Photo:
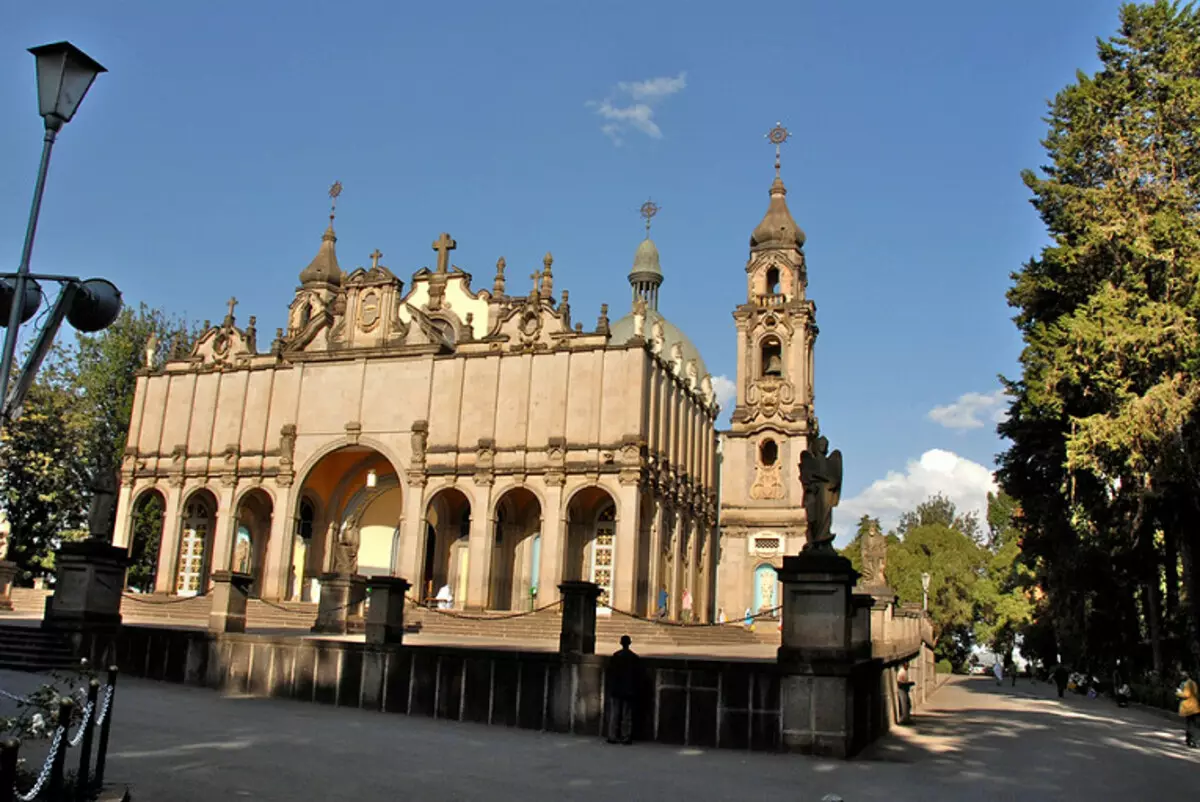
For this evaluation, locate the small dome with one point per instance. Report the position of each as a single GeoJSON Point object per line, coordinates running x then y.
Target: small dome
{"type": "Point", "coordinates": [645, 261]}
{"type": "Point", "coordinates": [622, 330]}
{"type": "Point", "coordinates": [777, 229]}
{"type": "Point", "coordinates": [323, 269]}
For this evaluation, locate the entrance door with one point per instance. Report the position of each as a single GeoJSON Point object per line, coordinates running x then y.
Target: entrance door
{"type": "Point", "coordinates": [766, 580]}
{"type": "Point", "coordinates": [602, 559]}
{"type": "Point", "coordinates": [191, 550]}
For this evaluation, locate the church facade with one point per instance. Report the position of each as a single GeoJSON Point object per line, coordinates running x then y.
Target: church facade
{"type": "Point", "coordinates": [482, 442]}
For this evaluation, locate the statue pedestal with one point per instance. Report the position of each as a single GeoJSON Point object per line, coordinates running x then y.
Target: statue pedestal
{"type": "Point", "coordinates": [341, 602]}
{"type": "Point", "coordinates": [578, 634]}
{"type": "Point", "coordinates": [385, 610]}
{"type": "Point", "coordinates": [230, 593]}
{"type": "Point", "coordinates": [8, 573]}
{"type": "Point", "coordinates": [88, 585]}
{"type": "Point", "coordinates": [825, 656]}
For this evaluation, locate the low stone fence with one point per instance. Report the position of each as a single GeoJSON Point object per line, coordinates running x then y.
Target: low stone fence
{"type": "Point", "coordinates": [685, 701]}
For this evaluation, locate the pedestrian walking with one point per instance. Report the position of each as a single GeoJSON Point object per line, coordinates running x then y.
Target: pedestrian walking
{"type": "Point", "coordinates": [687, 606]}
{"type": "Point", "coordinates": [998, 671]}
{"type": "Point", "coordinates": [1061, 676]}
{"type": "Point", "coordinates": [1189, 708]}
{"type": "Point", "coordinates": [624, 677]}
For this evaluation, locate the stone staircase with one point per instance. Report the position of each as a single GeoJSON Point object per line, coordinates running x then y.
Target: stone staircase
{"type": "Point", "coordinates": [541, 628]}
{"type": "Point", "coordinates": [28, 648]}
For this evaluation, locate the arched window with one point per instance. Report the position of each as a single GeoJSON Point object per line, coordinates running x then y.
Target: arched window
{"type": "Point", "coordinates": [464, 529]}
{"type": "Point", "coordinates": [304, 527]}
{"type": "Point", "coordinates": [772, 357]}
{"type": "Point", "coordinates": [305, 314]}
{"type": "Point", "coordinates": [773, 280]}
{"type": "Point", "coordinates": [768, 452]}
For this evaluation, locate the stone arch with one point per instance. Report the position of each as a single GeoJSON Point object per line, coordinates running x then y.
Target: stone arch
{"type": "Point", "coordinates": [446, 529]}
{"type": "Point", "coordinates": [254, 510]}
{"type": "Point", "coordinates": [331, 480]}
{"type": "Point", "coordinates": [197, 530]}
{"type": "Point", "coordinates": [591, 519]}
{"type": "Point", "coordinates": [770, 356]}
{"type": "Point", "coordinates": [516, 549]}
{"type": "Point", "coordinates": [376, 513]}
{"type": "Point", "coordinates": [147, 525]}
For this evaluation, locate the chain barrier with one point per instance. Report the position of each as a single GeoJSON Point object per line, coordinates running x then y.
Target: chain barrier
{"type": "Point", "coordinates": [83, 722]}
{"type": "Point", "coordinates": [137, 597]}
{"type": "Point", "coordinates": [18, 699]}
{"type": "Point", "coordinates": [45, 772]}
{"type": "Point", "coordinates": [469, 617]}
{"type": "Point", "coordinates": [280, 607]}
{"type": "Point", "coordinates": [108, 694]}
{"type": "Point", "coordinates": [739, 622]}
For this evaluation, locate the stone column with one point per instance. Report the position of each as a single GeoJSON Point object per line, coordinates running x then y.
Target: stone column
{"type": "Point", "coordinates": [578, 635]}
{"type": "Point", "coordinates": [480, 545]}
{"type": "Point", "coordinates": [229, 596]}
{"type": "Point", "coordinates": [554, 544]}
{"type": "Point", "coordinates": [168, 545]}
{"type": "Point", "coordinates": [89, 580]}
{"type": "Point", "coordinates": [822, 667]}
{"type": "Point", "coordinates": [385, 609]}
{"type": "Point", "coordinates": [625, 546]}
{"type": "Point", "coordinates": [412, 531]}
{"type": "Point", "coordinates": [122, 536]}
{"type": "Point", "coordinates": [279, 547]}
{"type": "Point", "coordinates": [653, 570]}
{"type": "Point", "coordinates": [8, 572]}
{"type": "Point", "coordinates": [222, 541]}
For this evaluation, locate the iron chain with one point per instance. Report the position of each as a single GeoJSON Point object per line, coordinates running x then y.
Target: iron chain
{"type": "Point", "coordinates": [87, 713]}
{"type": "Point", "coordinates": [45, 773]}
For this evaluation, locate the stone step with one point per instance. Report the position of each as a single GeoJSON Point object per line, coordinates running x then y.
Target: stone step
{"type": "Point", "coordinates": [31, 649]}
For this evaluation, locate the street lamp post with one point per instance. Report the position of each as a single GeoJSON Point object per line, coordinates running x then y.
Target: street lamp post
{"type": "Point", "coordinates": [64, 75]}
{"type": "Point", "coordinates": [925, 577]}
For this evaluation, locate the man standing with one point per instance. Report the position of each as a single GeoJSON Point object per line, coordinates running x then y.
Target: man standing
{"type": "Point", "coordinates": [1061, 675]}
{"type": "Point", "coordinates": [624, 676]}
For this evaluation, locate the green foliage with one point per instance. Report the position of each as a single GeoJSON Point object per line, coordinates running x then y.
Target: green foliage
{"type": "Point", "coordinates": [73, 424]}
{"type": "Point", "coordinates": [944, 667]}
{"type": "Point", "coordinates": [1105, 421]}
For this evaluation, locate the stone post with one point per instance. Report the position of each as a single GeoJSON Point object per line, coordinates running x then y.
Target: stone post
{"type": "Point", "coordinates": [826, 670]}
{"type": "Point", "coordinates": [385, 609]}
{"type": "Point", "coordinates": [8, 572]}
{"type": "Point", "coordinates": [578, 635]}
{"type": "Point", "coordinates": [87, 587]}
{"type": "Point", "coordinates": [340, 604]}
{"type": "Point", "coordinates": [231, 591]}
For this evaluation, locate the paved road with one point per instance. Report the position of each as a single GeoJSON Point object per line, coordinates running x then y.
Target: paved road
{"type": "Point", "coordinates": [976, 742]}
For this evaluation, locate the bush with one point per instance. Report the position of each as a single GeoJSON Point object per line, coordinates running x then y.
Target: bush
{"type": "Point", "coordinates": [944, 666]}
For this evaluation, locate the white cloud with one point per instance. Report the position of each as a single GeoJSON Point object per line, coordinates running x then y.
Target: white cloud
{"type": "Point", "coordinates": [631, 107]}
{"type": "Point", "coordinates": [972, 411]}
{"type": "Point", "coordinates": [964, 482]}
{"type": "Point", "coordinates": [725, 390]}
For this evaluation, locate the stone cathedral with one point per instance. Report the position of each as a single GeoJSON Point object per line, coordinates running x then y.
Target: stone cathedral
{"type": "Point", "coordinates": [484, 442]}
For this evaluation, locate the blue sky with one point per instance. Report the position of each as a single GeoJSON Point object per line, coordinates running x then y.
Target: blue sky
{"type": "Point", "coordinates": [197, 169]}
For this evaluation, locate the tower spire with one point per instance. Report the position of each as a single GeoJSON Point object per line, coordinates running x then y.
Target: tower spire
{"type": "Point", "coordinates": [777, 136]}
{"type": "Point", "coordinates": [324, 268]}
{"type": "Point", "coordinates": [647, 211]}
{"type": "Point", "coordinates": [646, 276]}
{"type": "Point", "coordinates": [334, 191]}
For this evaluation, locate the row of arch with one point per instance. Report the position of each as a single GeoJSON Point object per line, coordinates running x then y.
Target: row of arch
{"type": "Point", "coordinates": [353, 495]}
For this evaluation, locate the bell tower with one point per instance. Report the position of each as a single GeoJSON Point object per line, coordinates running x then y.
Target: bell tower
{"type": "Point", "coordinates": [762, 510]}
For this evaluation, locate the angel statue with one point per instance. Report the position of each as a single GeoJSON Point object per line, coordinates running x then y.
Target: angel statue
{"type": "Point", "coordinates": [821, 476]}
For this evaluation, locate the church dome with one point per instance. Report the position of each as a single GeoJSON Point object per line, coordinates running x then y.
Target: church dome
{"type": "Point", "coordinates": [645, 261]}
{"type": "Point", "coordinates": [777, 229]}
{"type": "Point", "coordinates": [622, 330]}
{"type": "Point", "coordinates": [324, 269]}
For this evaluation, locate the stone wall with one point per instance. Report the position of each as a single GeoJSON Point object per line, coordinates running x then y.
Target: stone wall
{"type": "Point", "coordinates": [693, 702]}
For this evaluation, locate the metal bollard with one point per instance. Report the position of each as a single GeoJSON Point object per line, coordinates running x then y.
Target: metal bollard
{"type": "Point", "coordinates": [54, 786]}
{"type": "Point", "coordinates": [9, 748]}
{"type": "Point", "coordinates": [102, 752]}
{"type": "Point", "coordinates": [83, 778]}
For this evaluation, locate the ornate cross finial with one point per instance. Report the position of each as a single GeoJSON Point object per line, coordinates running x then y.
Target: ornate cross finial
{"type": "Point", "coordinates": [648, 210]}
{"type": "Point", "coordinates": [232, 303]}
{"type": "Point", "coordinates": [443, 245]}
{"type": "Point", "coordinates": [777, 136]}
{"type": "Point", "coordinates": [334, 191]}
{"type": "Point", "coordinates": [375, 257]}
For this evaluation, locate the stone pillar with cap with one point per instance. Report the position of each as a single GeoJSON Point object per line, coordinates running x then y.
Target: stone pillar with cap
{"type": "Point", "coordinates": [340, 607]}
{"type": "Point", "coordinates": [230, 593]}
{"type": "Point", "coordinates": [578, 635]}
{"type": "Point", "coordinates": [385, 609]}
{"type": "Point", "coordinates": [824, 659]}
{"type": "Point", "coordinates": [89, 579]}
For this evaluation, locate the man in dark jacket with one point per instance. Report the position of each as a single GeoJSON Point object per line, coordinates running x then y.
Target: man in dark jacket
{"type": "Point", "coordinates": [624, 676]}
{"type": "Point", "coordinates": [1061, 675]}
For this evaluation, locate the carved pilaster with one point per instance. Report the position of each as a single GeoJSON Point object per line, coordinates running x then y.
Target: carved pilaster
{"type": "Point", "coordinates": [175, 472]}
{"type": "Point", "coordinates": [485, 460]}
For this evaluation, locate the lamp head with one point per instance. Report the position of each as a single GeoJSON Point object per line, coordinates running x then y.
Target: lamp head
{"type": "Point", "coordinates": [64, 75]}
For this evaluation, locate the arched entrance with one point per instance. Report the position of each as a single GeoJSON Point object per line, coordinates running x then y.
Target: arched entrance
{"type": "Point", "coordinates": [515, 551]}
{"type": "Point", "coordinates": [351, 492]}
{"type": "Point", "coordinates": [445, 553]}
{"type": "Point", "coordinates": [195, 543]}
{"type": "Point", "coordinates": [766, 589]}
{"type": "Point", "coordinates": [251, 532]}
{"type": "Point", "coordinates": [591, 540]}
{"type": "Point", "coordinates": [145, 541]}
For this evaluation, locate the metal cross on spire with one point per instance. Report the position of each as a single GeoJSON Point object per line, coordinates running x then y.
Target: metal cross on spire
{"type": "Point", "coordinates": [648, 210]}
{"type": "Point", "coordinates": [334, 191]}
{"type": "Point", "coordinates": [375, 257]}
{"type": "Point", "coordinates": [443, 245]}
{"type": "Point", "coordinates": [232, 303]}
{"type": "Point", "coordinates": [777, 136]}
